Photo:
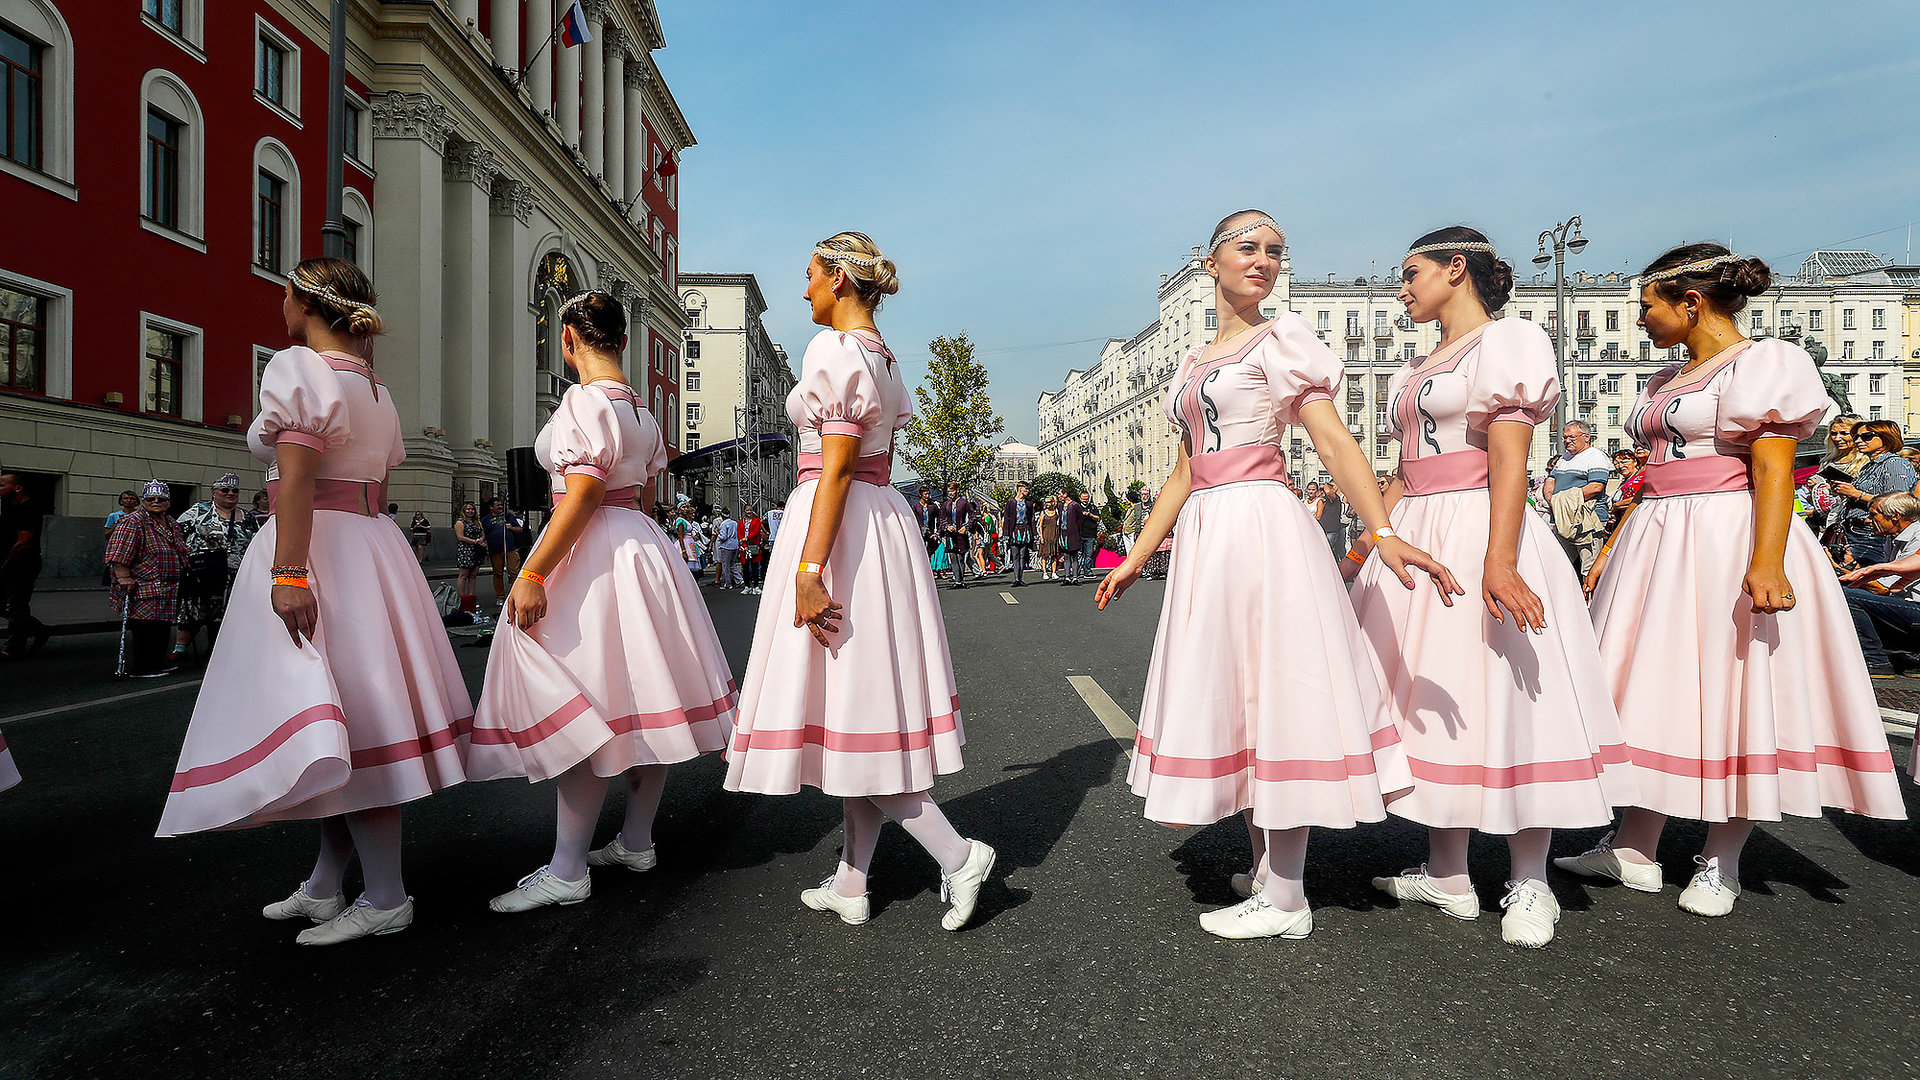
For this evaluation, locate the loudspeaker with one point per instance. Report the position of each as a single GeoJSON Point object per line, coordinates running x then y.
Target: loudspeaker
{"type": "Point", "coordinates": [527, 487]}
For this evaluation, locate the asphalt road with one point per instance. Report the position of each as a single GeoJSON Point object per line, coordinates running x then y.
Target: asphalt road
{"type": "Point", "coordinates": [123, 955]}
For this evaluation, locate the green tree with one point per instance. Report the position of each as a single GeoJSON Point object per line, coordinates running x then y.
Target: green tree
{"type": "Point", "coordinates": [949, 439]}
{"type": "Point", "coordinates": [1050, 483]}
{"type": "Point", "coordinates": [1114, 510]}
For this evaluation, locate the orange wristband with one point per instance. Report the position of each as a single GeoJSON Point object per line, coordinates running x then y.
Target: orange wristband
{"type": "Point", "coordinates": [531, 576]}
{"type": "Point", "coordinates": [1356, 556]}
{"type": "Point", "coordinates": [293, 582]}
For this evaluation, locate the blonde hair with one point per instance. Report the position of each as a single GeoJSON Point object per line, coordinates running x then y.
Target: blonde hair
{"type": "Point", "coordinates": [340, 292]}
{"type": "Point", "coordinates": [855, 254]}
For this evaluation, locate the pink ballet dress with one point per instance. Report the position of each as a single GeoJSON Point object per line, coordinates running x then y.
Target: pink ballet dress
{"type": "Point", "coordinates": [625, 668]}
{"type": "Point", "coordinates": [9, 773]}
{"type": "Point", "coordinates": [372, 711]}
{"type": "Point", "coordinates": [1729, 714]}
{"type": "Point", "coordinates": [876, 712]}
{"type": "Point", "coordinates": [1504, 730]}
{"type": "Point", "coordinates": [1260, 693]}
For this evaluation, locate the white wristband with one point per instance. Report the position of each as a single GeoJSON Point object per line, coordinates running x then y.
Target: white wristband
{"type": "Point", "coordinates": [1382, 533]}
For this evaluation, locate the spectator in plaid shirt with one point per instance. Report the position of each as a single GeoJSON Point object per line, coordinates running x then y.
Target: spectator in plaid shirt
{"type": "Point", "coordinates": [148, 556]}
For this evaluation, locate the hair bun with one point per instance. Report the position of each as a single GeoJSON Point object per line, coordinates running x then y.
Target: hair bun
{"type": "Point", "coordinates": [1751, 276]}
{"type": "Point", "coordinates": [886, 277]}
{"type": "Point", "coordinates": [363, 322]}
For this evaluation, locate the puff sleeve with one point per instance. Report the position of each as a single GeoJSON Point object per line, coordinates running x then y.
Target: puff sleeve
{"type": "Point", "coordinates": [1772, 391]}
{"type": "Point", "coordinates": [1172, 404]}
{"type": "Point", "coordinates": [1513, 376]}
{"type": "Point", "coordinates": [587, 439]}
{"type": "Point", "coordinates": [1299, 367]}
{"type": "Point", "coordinates": [837, 390]}
{"type": "Point", "coordinates": [301, 401]}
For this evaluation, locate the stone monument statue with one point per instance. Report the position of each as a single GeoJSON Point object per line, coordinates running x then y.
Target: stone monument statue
{"type": "Point", "coordinates": [1836, 384]}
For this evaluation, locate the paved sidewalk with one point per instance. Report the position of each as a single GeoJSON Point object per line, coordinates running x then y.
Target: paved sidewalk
{"type": "Point", "coordinates": [79, 605]}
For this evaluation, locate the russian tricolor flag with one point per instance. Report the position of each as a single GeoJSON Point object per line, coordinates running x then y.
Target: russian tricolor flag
{"type": "Point", "coordinates": [573, 27]}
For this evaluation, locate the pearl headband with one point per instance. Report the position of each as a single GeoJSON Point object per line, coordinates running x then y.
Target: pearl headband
{"type": "Point", "coordinates": [827, 254]}
{"type": "Point", "coordinates": [1263, 221]}
{"type": "Point", "coordinates": [1689, 268]}
{"type": "Point", "coordinates": [1429, 248]}
{"type": "Point", "coordinates": [323, 292]}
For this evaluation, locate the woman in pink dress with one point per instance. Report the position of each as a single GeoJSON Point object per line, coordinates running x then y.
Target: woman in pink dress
{"type": "Point", "coordinates": [1739, 681]}
{"type": "Point", "coordinates": [1260, 697]}
{"type": "Point", "coordinates": [850, 687]}
{"type": "Point", "coordinates": [333, 693]}
{"type": "Point", "coordinates": [606, 660]}
{"type": "Point", "coordinates": [1502, 706]}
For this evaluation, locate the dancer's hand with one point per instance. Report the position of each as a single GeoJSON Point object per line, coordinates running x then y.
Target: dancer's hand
{"type": "Point", "coordinates": [1118, 581]}
{"type": "Point", "coordinates": [526, 603]}
{"type": "Point", "coordinates": [297, 608]}
{"type": "Point", "coordinates": [1503, 587]}
{"type": "Point", "coordinates": [1399, 555]}
{"type": "Point", "coordinates": [1769, 589]}
{"type": "Point", "coordinates": [813, 608]}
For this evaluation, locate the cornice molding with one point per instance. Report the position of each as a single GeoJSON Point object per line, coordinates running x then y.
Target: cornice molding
{"type": "Point", "coordinates": [513, 198]}
{"type": "Point", "coordinates": [400, 115]}
{"type": "Point", "coordinates": [472, 163]}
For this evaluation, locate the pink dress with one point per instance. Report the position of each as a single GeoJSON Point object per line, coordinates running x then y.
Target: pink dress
{"type": "Point", "coordinates": [876, 713]}
{"type": "Point", "coordinates": [625, 668]}
{"type": "Point", "coordinates": [1730, 714]}
{"type": "Point", "coordinates": [9, 773]}
{"type": "Point", "coordinates": [1260, 693]}
{"type": "Point", "coordinates": [1504, 730]}
{"type": "Point", "coordinates": [372, 712]}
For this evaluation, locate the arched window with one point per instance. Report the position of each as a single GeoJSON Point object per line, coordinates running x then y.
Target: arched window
{"type": "Point", "coordinates": [36, 59]}
{"type": "Point", "coordinates": [357, 215]}
{"type": "Point", "coordinates": [276, 209]}
{"type": "Point", "coordinates": [657, 415]}
{"type": "Point", "coordinates": [172, 160]}
{"type": "Point", "coordinates": [673, 419]}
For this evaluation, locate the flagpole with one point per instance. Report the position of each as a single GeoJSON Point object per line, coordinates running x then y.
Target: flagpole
{"type": "Point", "coordinates": [333, 230]}
{"type": "Point", "coordinates": [521, 78]}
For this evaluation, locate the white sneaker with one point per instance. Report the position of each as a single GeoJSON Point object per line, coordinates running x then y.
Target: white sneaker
{"type": "Point", "coordinates": [853, 910]}
{"type": "Point", "coordinates": [1531, 913]}
{"type": "Point", "coordinates": [1602, 862]}
{"type": "Point", "coordinates": [302, 906]}
{"type": "Point", "coordinates": [1709, 893]}
{"type": "Point", "coordinates": [961, 889]}
{"type": "Point", "coordinates": [1416, 885]}
{"type": "Point", "coordinates": [1245, 885]}
{"type": "Point", "coordinates": [1254, 917]}
{"type": "Point", "coordinates": [361, 919]}
{"type": "Point", "coordinates": [616, 854]}
{"type": "Point", "coordinates": [541, 888]}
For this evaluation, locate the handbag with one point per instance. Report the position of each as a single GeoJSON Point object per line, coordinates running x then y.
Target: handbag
{"type": "Point", "coordinates": [206, 575]}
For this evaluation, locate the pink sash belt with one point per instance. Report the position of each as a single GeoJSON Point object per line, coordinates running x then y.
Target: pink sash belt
{"type": "Point", "coordinates": [1237, 464]}
{"type": "Point", "coordinates": [1696, 476]}
{"type": "Point", "coordinates": [620, 497]}
{"type": "Point", "coordinates": [875, 469]}
{"type": "Point", "coordinates": [1459, 470]}
{"type": "Point", "coordinates": [365, 497]}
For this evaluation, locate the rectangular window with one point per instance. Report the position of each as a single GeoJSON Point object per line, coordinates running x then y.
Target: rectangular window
{"type": "Point", "coordinates": [1527, 315]}
{"type": "Point", "coordinates": [1323, 320]}
{"type": "Point", "coordinates": [354, 115]}
{"type": "Point", "coordinates": [1213, 319]}
{"type": "Point", "coordinates": [1879, 352]}
{"type": "Point", "coordinates": [1610, 385]}
{"type": "Point", "coordinates": [1846, 319]}
{"type": "Point", "coordinates": [20, 63]}
{"type": "Point", "coordinates": [163, 169]}
{"type": "Point", "coordinates": [270, 74]}
{"type": "Point", "coordinates": [164, 12]}
{"type": "Point", "coordinates": [1814, 319]}
{"type": "Point", "coordinates": [1759, 318]}
{"type": "Point", "coordinates": [1846, 352]}
{"type": "Point", "coordinates": [1646, 353]}
{"type": "Point", "coordinates": [1873, 412]}
{"type": "Point", "coordinates": [1879, 318]}
{"type": "Point", "coordinates": [352, 241]}
{"type": "Point", "coordinates": [1268, 313]}
{"type": "Point", "coordinates": [166, 368]}
{"type": "Point", "coordinates": [1786, 317]}
{"type": "Point", "coordinates": [1613, 446]}
{"type": "Point", "coordinates": [1353, 352]}
{"type": "Point", "coordinates": [1586, 387]}
{"type": "Point", "coordinates": [23, 341]}
{"type": "Point", "coordinates": [1407, 351]}
{"type": "Point", "coordinates": [1640, 383]}
{"type": "Point", "coordinates": [690, 381]}
{"type": "Point", "coordinates": [1613, 320]}
{"type": "Point", "coordinates": [693, 412]}
{"type": "Point", "coordinates": [269, 246]}
{"type": "Point", "coordinates": [690, 441]}
{"type": "Point", "coordinates": [1873, 384]}
{"type": "Point", "coordinates": [693, 316]}
{"type": "Point", "coordinates": [1380, 384]}
{"type": "Point", "coordinates": [1381, 353]}
{"type": "Point", "coordinates": [1585, 320]}
{"type": "Point", "coordinates": [1613, 416]}
{"type": "Point", "coordinates": [693, 350]}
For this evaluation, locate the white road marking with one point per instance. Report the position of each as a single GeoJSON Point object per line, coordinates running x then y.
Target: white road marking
{"type": "Point", "coordinates": [1111, 716]}
{"type": "Point", "coordinates": [1008, 597]}
{"type": "Point", "coordinates": [1897, 722]}
{"type": "Point", "coordinates": [96, 702]}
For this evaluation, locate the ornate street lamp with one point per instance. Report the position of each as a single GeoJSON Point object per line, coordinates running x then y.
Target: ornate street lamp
{"type": "Point", "coordinates": [1562, 243]}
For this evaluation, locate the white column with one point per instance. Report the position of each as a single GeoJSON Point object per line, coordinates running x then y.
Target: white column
{"type": "Point", "coordinates": [615, 151]}
{"type": "Point", "coordinates": [466, 323]}
{"type": "Point", "coordinates": [505, 27]}
{"type": "Point", "coordinates": [540, 70]}
{"type": "Point", "coordinates": [635, 139]}
{"type": "Point", "coordinates": [464, 10]}
{"type": "Point", "coordinates": [511, 371]}
{"type": "Point", "coordinates": [566, 92]}
{"type": "Point", "coordinates": [594, 112]}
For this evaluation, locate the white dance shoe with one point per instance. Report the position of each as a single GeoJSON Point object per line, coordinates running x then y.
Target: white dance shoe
{"type": "Point", "coordinates": [539, 889]}
{"type": "Point", "coordinates": [853, 910]}
{"type": "Point", "coordinates": [961, 889]}
{"type": "Point", "coordinates": [1254, 917]}
{"type": "Point", "coordinates": [1531, 913]}
{"type": "Point", "coordinates": [302, 906]}
{"type": "Point", "coordinates": [1709, 893]}
{"type": "Point", "coordinates": [360, 920]}
{"type": "Point", "coordinates": [1417, 886]}
{"type": "Point", "coordinates": [616, 854]}
{"type": "Point", "coordinates": [1603, 862]}
{"type": "Point", "coordinates": [1244, 885]}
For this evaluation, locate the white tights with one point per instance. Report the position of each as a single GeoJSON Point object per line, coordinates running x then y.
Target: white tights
{"type": "Point", "coordinates": [1447, 858]}
{"type": "Point", "coordinates": [580, 794]}
{"type": "Point", "coordinates": [1280, 864]}
{"type": "Point", "coordinates": [1638, 839]}
{"type": "Point", "coordinates": [375, 836]}
{"type": "Point", "coordinates": [917, 813]}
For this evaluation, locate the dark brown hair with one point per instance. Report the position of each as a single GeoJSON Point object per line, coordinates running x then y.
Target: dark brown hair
{"type": "Point", "coordinates": [1491, 275]}
{"type": "Point", "coordinates": [1725, 286]}
{"type": "Point", "coordinates": [598, 318]}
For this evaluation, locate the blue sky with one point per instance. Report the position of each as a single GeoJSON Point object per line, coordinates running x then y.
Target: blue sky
{"type": "Point", "coordinates": [1034, 167]}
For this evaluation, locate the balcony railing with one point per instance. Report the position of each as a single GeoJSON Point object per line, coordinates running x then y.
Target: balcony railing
{"type": "Point", "coordinates": [1354, 332]}
{"type": "Point", "coordinates": [1382, 331]}
{"type": "Point", "coordinates": [1586, 333]}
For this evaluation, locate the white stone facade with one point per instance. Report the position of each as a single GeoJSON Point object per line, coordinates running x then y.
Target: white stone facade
{"type": "Point", "coordinates": [735, 383]}
{"type": "Point", "coordinates": [1012, 462]}
{"type": "Point", "coordinates": [1107, 421]}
